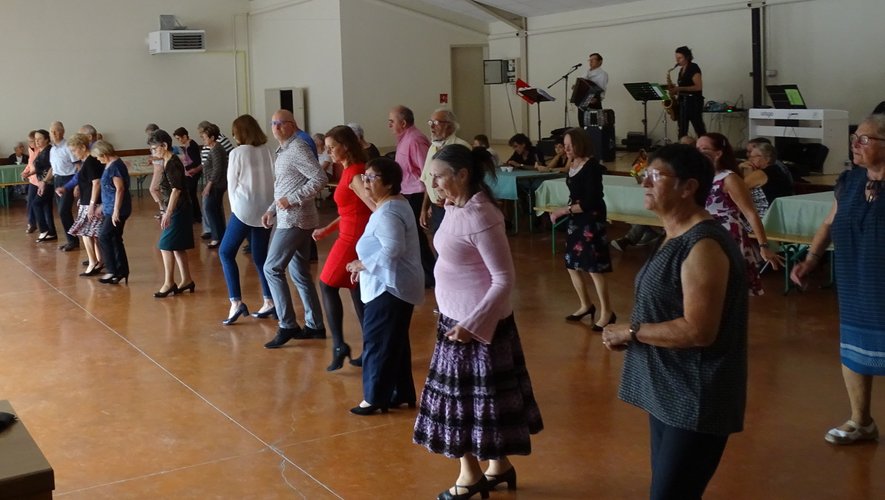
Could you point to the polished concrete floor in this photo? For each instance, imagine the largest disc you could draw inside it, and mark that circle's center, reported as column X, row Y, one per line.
column 130, row 396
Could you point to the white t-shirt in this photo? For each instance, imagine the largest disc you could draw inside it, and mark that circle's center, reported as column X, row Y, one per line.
column 250, row 182
column 599, row 77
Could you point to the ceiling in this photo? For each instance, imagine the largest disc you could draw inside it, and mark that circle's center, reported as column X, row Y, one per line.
column 524, row 8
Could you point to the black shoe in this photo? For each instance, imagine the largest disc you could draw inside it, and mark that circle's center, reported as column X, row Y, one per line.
column 115, row 279
column 367, row 410
column 270, row 313
column 241, row 310
column 92, row 272
column 69, row 247
column 162, row 295
column 310, row 333
column 508, row 477
column 30, row 229
column 206, row 236
column 357, row 361
column 579, row 317
column 338, row 355
column 396, row 403
column 283, row 335
column 611, row 321
column 481, row 487
column 192, row 287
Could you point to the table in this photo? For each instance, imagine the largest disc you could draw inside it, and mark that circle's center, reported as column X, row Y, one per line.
column 140, row 168
column 10, row 175
column 24, row 471
column 624, row 200
column 792, row 221
column 505, row 187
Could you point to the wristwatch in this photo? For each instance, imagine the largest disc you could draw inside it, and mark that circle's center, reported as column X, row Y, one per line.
column 634, row 328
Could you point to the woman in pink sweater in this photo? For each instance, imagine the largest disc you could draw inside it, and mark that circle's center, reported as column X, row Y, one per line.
column 477, row 403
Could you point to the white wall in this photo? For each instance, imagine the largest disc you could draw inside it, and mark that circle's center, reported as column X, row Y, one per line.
column 396, row 56
column 91, row 65
column 829, row 48
column 508, row 109
column 298, row 44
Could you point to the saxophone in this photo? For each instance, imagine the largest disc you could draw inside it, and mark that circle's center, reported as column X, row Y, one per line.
column 670, row 104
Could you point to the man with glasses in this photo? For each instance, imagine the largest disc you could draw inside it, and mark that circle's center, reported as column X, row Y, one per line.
column 443, row 125
column 411, row 153
column 298, row 178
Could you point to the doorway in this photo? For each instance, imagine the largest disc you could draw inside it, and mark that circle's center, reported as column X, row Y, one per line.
column 468, row 92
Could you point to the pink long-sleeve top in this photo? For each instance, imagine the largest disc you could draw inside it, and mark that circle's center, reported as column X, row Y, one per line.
column 474, row 272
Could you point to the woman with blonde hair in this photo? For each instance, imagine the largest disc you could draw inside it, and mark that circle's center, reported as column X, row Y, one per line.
column 89, row 221
column 115, row 207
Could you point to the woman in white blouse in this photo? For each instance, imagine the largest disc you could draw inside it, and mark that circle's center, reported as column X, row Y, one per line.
column 250, row 190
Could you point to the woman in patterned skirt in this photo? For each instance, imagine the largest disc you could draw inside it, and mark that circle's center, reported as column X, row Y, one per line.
column 730, row 203
column 477, row 403
column 856, row 226
column 586, row 246
column 89, row 220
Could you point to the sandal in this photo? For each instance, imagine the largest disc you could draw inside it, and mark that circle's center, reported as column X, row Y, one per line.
column 856, row 434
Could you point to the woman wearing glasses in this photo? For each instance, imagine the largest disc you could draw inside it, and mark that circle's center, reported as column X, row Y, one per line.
column 856, row 227
column 391, row 283
column 178, row 235
column 354, row 209
column 731, row 204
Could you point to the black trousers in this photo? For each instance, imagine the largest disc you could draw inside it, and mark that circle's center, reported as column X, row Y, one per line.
column 66, row 207
column 691, row 110
column 43, row 209
column 110, row 240
column 682, row 462
column 214, row 205
column 428, row 260
column 191, row 184
column 387, row 353
column 32, row 215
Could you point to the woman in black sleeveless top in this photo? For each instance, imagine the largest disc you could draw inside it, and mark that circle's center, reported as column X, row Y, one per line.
column 686, row 362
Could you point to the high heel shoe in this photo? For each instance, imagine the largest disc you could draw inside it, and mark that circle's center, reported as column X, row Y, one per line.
column 481, row 487
column 92, row 272
column 578, row 317
column 162, row 295
column 611, row 321
column 367, row 410
column 241, row 310
column 115, row 279
column 190, row 286
column 508, row 477
column 357, row 361
column 341, row 352
column 272, row 312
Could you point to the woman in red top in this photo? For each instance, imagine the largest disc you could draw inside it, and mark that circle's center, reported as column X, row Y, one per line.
column 354, row 209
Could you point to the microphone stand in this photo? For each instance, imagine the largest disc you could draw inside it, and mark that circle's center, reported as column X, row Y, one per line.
column 566, row 100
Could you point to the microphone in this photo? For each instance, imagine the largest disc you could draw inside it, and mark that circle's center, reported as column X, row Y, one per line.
column 576, row 66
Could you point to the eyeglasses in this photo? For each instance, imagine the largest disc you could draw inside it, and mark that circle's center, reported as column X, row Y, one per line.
column 864, row 140
column 156, row 147
column 280, row 123
column 435, row 123
column 369, row 177
column 654, row 175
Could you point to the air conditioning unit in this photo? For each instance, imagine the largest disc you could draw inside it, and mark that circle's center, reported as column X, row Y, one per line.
column 176, row 41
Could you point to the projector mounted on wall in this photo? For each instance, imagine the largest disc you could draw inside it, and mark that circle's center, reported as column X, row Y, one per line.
column 176, row 41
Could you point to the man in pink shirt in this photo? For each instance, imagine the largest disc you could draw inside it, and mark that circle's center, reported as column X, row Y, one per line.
column 411, row 152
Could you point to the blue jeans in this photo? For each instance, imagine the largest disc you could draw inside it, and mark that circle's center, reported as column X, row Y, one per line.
column 387, row 353
column 259, row 239
column 213, row 206
column 290, row 248
column 682, row 462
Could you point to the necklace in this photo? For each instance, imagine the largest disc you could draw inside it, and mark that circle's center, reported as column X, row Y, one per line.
column 873, row 188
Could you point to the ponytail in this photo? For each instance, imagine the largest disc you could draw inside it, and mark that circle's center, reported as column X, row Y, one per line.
column 478, row 162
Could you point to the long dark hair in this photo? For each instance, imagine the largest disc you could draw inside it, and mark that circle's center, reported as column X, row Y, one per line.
column 727, row 161
column 478, row 163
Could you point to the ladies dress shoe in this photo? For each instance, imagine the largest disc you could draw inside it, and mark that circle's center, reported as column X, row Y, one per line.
column 241, row 310
column 508, row 477
column 368, row 410
column 611, row 321
column 481, row 487
column 192, row 287
column 578, row 317
column 396, row 403
column 270, row 313
column 283, row 335
column 161, row 294
column 338, row 355
column 91, row 272
column 30, row 229
column 116, row 279
column 357, row 361
column 856, row 434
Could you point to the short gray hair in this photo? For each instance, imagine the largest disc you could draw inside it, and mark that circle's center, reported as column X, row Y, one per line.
column 449, row 116
column 767, row 150
column 878, row 121
column 90, row 131
column 357, row 129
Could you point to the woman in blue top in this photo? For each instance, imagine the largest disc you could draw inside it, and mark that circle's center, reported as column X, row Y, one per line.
column 116, row 206
column 391, row 284
column 856, row 227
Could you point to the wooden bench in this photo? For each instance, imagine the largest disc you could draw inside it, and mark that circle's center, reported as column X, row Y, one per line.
column 24, row 472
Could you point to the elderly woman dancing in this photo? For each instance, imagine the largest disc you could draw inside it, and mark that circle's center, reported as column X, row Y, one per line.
column 856, row 227
column 478, row 402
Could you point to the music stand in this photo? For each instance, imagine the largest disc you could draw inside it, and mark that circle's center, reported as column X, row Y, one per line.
column 536, row 96
column 644, row 92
